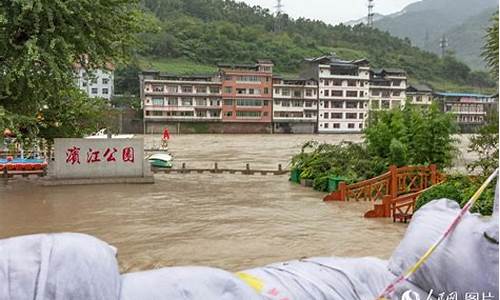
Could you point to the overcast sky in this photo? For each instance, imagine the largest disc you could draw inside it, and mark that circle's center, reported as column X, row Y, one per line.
column 333, row 11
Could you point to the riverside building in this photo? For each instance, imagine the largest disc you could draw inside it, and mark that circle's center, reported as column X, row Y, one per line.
column 295, row 105
column 171, row 101
column 387, row 88
column 96, row 83
column 247, row 97
column 343, row 88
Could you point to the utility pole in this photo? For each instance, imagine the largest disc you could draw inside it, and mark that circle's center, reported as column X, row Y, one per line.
column 370, row 13
column 279, row 11
column 443, row 44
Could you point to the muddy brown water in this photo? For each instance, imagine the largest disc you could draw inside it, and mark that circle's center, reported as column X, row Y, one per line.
column 228, row 221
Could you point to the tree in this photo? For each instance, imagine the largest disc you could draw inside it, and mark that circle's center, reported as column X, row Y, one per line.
column 41, row 40
column 490, row 49
column 485, row 145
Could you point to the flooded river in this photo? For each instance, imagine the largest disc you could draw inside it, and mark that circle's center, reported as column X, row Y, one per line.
column 228, row 221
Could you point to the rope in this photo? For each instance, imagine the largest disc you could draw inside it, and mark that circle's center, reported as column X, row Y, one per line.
column 392, row 286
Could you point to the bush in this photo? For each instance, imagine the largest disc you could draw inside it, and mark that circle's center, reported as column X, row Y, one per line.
column 460, row 189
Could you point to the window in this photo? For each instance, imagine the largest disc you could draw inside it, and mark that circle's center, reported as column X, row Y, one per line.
column 396, row 94
column 361, row 94
column 326, row 125
column 419, row 98
column 214, row 90
column 352, row 94
column 265, row 114
column 351, row 104
column 386, row 94
column 361, row 115
column 327, row 93
column 172, row 102
column 186, row 102
column 172, row 88
column 241, row 91
column 385, row 104
column 350, row 126
column 228, row 90
column 276, row 91
column 327, row 82
column 277, row 102
column 248, row 114
column 201, row 102
column 336, row 115
column 396, row 82
column 337, row 93
column 94, row 91
column 336, row 125
column 360, row 125
column 297, row 103
column 375, row 93
column 105, row 80
column 285, row 92
column 327, row 104
column 266, row 91
column 105, row 91
column 325, row 115
column 251, row 91
column 158, row 101
column 248, row 102
column 337, row 82
column 157, row 88
column 187, row 89
column 84, row 83
column 338, row 104
column 229, row 114
column 351, row 82
column 285, row 103
column 228, row 102
column 351, row 115
column 308, row 103
column 266, row 102
column 94, row 80
column 309, row 92
column 297, row 93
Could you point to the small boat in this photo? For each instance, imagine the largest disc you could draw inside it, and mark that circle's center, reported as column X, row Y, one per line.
column 161, row 160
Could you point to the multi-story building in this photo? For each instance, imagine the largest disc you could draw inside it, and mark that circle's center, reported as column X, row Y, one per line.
column 295, row 106
column 419, row 94
column 387, row 88
column 343, row 88
column 171, row 100
column 470, row 109
column 247, row 96
column 96, row 83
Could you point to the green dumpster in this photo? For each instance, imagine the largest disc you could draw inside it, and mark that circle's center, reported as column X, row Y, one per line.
column 333, row 182
column 295, row 176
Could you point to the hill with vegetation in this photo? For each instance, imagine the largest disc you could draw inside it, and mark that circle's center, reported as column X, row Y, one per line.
column 207, row 32
column 463, row 22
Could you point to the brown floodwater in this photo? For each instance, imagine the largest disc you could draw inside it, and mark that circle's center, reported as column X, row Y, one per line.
column 227, row 221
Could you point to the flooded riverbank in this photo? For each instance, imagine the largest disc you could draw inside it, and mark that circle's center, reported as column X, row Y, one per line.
column 228, row 221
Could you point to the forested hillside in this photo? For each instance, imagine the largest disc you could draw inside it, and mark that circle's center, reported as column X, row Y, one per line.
column 212, row 31
column 463, row 22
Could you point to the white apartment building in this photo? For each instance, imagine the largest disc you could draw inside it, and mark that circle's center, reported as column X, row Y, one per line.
column 97, row 83
column 343, row 88
column 387, row 88
column 170, row 98
column 295, row 106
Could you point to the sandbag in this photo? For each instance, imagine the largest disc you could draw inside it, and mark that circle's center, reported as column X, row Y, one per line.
column 466, row 262
column 186, row 283
column 320, row 278
column 58, row 267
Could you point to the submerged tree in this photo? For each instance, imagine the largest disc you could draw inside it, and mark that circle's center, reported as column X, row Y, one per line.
column 41, row 40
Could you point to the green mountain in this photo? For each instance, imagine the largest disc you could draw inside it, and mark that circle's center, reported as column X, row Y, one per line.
column 462, row 22
column 207, row 32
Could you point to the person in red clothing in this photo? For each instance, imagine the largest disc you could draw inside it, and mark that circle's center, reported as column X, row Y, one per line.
column 165, row 138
